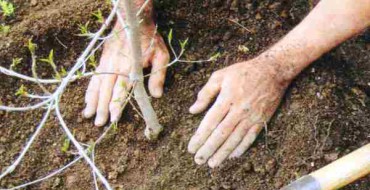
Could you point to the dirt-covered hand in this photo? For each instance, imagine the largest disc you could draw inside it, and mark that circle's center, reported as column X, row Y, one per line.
column 107, row 91
column 248, row 94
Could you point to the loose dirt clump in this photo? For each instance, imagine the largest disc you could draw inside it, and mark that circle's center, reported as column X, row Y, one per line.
column 324, row 115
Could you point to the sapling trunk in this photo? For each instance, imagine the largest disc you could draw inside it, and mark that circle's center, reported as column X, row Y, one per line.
column 153, row 128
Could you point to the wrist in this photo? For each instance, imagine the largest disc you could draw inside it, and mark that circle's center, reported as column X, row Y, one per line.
column 283, row 67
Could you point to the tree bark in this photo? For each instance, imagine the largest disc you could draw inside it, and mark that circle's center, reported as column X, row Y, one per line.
column 153, row 128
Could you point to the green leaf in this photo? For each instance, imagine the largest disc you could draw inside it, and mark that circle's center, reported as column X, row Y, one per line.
column 170, row 36
column 49, row 59
column 84, row 29
column 243, row 49
column 92, row 61
column 5, row 29
column 21, row 91
column 15, row 62
column 7, row 8
column 215, row 56
column 99, row 16
column 184, row 43
column 79, row 74
column 66, row 144
column 31, row 46
column 114, row 126
column 51, row 55
column 63, row 72
column 44, row 60
column 91, row 148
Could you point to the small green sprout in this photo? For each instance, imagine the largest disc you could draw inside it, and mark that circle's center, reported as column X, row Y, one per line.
column 243, row 49
column 99, row 16
column 7, row 8
column 170, row 36
column 31, row 46
column 21, row 91
column 215, row 56
column 50, row 60
column 114, row 126
column 90, row 148
column 184, row 43
column 4, row 29
column 66, row 144
column 15, row 62
column 92, row 61
column 84, row 29
column 63, row 72
column 79, row 74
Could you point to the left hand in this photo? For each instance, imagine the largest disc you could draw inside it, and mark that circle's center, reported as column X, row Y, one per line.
column 248, row 94
column 107, row 93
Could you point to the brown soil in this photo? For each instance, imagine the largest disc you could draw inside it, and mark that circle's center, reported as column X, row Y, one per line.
column 324, row 115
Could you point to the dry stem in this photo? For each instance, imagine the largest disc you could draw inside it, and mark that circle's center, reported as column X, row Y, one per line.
column 153, row 128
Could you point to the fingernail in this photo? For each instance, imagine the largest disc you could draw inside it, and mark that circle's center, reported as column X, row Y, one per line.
column 200, row 160
column 115, row 116
column 234, row 155
column 212, row 163
column 88, row 113
column 157, row 92
column 191, row 150
column 100, row 121
column 193, row 109
column 191, row 147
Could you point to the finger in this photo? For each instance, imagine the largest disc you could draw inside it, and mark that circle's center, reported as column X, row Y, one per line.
column 247, row 141
column 105, row 95
column 120, row 92
column 217, row 138
column 158, row 75
column 213, row 117
column 205, row 96
column 92, row 97
column 230, row 144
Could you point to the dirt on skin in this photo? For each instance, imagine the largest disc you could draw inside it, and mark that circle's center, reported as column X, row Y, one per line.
column 324, row 115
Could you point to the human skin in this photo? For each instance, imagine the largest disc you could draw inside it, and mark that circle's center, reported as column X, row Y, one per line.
column 248, row 93
column 106, row 93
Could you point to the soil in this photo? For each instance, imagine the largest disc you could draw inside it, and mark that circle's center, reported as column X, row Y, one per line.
column 324, row 115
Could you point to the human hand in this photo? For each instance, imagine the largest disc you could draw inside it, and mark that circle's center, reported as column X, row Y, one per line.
column 248, row 94
column 107, row 91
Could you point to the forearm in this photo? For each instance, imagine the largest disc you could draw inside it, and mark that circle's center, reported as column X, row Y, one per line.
column 330, row 23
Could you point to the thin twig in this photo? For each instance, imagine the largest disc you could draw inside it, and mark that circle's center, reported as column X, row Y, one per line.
column 237, row 23
column 11, row 168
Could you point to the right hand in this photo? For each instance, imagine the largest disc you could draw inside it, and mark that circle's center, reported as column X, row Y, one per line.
column 248, row 94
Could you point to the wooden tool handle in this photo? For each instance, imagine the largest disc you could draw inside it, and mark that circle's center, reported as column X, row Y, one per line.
column 337, row 174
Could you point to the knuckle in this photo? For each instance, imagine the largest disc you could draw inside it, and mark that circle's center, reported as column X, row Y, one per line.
column 112, row 106
column 101, row 112
column 200, row 94
column 223, row 131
